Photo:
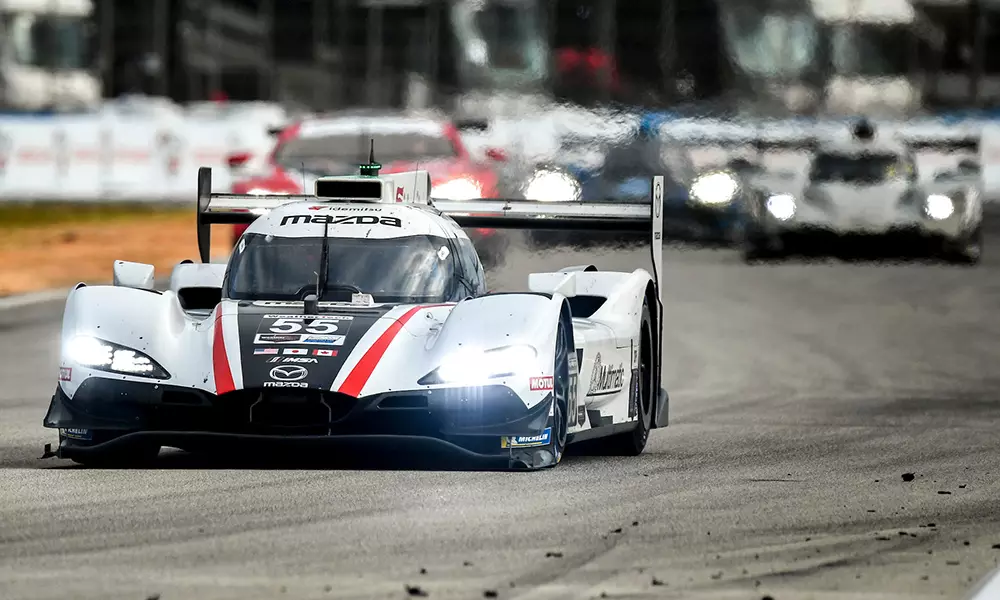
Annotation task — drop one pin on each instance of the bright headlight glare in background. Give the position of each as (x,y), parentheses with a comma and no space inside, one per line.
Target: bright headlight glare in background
(97,354)
(474,367)
(781,206)
(552,186)
(715,188)
(939,206)
(457,189)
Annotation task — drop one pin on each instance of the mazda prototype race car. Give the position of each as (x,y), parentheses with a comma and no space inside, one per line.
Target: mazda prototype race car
(871,188)
(361,313)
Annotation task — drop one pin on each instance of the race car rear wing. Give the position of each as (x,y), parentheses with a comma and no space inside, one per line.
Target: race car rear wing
(216,208)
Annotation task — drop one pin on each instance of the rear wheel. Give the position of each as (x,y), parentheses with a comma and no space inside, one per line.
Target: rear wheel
(632,443)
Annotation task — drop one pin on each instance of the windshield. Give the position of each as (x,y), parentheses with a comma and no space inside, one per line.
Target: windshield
(410,269)
(643,157)
(335,153)
(870,50)
(48,41)
(501,41)
(859,168)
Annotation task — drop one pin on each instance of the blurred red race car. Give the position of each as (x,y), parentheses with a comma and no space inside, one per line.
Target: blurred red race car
(334,145)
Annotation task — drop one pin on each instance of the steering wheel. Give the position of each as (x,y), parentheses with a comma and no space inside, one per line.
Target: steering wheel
(344,287)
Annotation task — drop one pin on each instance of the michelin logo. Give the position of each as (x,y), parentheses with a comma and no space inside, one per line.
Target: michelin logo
(527,441)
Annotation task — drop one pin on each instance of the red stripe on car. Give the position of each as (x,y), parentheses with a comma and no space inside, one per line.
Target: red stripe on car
(362,371)
(220,360)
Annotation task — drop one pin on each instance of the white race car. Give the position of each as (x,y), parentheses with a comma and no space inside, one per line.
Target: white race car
(361,314)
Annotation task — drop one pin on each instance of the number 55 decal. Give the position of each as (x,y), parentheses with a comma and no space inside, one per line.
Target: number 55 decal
(296,326)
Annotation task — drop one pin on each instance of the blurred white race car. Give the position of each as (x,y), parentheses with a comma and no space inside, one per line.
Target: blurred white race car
(865,187)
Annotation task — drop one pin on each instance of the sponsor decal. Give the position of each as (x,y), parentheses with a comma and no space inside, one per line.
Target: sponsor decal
(362,299)
(289,373)
(324,340)
(76,434)
(324,353)
(314,207)
(275,338)
(293,384)
(574,382)
(293,359)
(527,441)
(258,351)
(282,338)
(539,384)
(400,194)
(340,220)
(581,415)
(293,351)
(604,379)
(633,395)
(65,374)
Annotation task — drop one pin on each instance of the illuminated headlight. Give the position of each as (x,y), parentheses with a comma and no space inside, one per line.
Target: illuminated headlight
(102,355)
(781,206)
(457,189)
(939,207)
(714,189)
(552,186)
(469,367)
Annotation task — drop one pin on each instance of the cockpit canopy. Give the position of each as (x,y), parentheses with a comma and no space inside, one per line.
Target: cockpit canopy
(411,269)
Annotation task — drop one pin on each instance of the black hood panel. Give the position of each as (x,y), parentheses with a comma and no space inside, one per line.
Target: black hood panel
(280,347)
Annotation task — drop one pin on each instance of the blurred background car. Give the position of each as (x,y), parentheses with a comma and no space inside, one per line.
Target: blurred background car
(324,145)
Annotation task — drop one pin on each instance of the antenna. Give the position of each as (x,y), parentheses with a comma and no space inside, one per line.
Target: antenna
(372,168)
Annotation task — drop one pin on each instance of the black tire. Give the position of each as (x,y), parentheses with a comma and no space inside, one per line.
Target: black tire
(632,443)
(561,388)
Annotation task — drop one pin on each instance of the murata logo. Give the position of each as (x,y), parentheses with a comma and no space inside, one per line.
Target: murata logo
(341,220)
(540,384)
(605,379)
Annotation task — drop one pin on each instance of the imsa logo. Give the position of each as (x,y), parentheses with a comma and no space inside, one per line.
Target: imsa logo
(341,220)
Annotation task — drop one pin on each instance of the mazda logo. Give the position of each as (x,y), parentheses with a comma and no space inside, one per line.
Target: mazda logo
(289,373)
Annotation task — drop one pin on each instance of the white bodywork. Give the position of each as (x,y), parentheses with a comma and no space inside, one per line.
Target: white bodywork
(207,347)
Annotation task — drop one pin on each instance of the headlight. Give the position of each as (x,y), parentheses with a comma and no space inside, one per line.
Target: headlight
(477,367)
(715,188)
(457,189)
(939,207)
(552,186)
(99,354)
(781,206)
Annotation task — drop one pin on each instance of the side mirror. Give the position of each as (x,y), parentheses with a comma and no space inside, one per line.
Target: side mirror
(133,275)
(238,159)
(496,154)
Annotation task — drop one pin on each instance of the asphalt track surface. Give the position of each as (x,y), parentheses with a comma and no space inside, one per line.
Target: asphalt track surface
(801,393)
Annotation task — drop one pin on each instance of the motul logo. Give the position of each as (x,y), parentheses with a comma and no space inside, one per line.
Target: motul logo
(539,384)
(341,220)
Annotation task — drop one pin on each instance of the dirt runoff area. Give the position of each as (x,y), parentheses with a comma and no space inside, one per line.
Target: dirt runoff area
(47,250)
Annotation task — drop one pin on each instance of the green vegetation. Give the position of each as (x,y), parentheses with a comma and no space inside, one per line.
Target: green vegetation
(15,215)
